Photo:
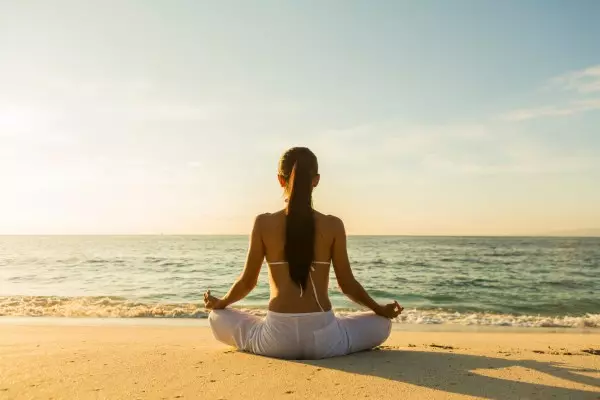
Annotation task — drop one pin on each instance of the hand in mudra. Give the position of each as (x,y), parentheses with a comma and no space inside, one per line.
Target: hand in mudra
(211,302)
(391,310)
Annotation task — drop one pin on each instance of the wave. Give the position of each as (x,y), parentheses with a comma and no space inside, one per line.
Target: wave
(119,307)
(100,306)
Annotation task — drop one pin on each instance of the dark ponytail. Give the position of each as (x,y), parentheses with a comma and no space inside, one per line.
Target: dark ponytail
(299,166)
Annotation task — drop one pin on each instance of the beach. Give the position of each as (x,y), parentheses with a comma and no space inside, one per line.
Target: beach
(121,318)
(161,361)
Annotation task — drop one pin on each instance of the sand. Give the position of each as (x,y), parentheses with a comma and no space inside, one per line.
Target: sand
(185,362)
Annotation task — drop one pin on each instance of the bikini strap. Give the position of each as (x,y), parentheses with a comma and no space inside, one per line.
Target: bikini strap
(314,289)
(285,262)
(312,269)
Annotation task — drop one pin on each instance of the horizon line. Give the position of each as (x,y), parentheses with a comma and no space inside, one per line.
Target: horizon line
(546,235)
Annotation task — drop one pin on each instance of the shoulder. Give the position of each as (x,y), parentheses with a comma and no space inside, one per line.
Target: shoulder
(260,219)
(267,218)
(331,221)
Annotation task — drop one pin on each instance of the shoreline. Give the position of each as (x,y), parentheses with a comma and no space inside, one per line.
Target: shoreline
(203,323)
(108,307)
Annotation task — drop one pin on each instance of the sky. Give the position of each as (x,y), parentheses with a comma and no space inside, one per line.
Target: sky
(428,117)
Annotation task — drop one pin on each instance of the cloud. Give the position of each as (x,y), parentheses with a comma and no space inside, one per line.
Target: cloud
(583,81)
(574,107)
(467,149)
(512,151)
(578,83)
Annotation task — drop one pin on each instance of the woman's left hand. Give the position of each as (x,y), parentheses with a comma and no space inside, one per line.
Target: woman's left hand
(211,302)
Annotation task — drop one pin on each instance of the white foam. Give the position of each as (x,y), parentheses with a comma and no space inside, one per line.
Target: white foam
(101,307)
(115,307)
(415,316)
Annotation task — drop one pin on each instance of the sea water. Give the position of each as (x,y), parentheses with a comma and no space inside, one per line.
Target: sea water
(508,281)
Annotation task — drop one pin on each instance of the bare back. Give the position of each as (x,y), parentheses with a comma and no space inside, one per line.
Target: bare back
(285,294)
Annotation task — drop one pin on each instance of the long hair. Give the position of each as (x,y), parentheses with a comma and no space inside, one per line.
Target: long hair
(298,166)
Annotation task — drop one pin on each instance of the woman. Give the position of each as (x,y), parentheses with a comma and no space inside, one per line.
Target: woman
(299,244)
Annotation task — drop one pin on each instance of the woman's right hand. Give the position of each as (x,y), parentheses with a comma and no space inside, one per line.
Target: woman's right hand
(390,311)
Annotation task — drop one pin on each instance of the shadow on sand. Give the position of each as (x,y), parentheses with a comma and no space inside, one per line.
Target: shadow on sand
(455,373)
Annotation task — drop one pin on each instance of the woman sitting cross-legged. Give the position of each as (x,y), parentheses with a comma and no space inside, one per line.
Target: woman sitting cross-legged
(299,245)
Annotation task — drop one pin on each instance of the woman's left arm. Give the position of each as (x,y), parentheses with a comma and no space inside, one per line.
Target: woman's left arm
(249,277)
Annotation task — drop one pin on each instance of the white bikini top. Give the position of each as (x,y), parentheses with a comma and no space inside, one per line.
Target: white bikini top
(312,268)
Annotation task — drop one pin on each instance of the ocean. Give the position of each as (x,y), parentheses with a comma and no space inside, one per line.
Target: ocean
(498,281)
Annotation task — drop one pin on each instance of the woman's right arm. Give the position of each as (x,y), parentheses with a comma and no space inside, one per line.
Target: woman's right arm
(345,278)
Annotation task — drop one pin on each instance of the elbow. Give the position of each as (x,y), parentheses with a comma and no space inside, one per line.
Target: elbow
(348,288)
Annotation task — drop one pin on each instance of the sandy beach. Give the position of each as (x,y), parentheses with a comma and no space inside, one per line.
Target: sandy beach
(163,362)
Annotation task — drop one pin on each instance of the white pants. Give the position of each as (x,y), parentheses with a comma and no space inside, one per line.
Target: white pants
(299,336)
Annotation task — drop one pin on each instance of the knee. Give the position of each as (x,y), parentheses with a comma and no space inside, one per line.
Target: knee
(218,325)
(384,329)
(382,325)
(213,316)
(388,328)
